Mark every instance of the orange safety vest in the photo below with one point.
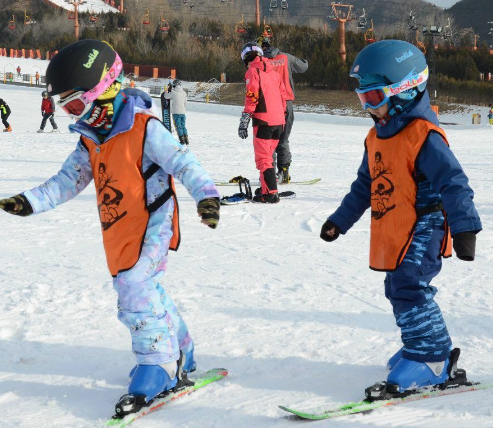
(394, 187)
(121, 194)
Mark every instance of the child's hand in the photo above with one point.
(208, 209)
(16, 205)
(330, 231)
(464, 244)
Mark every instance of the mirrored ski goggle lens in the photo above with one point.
(73, 105)
(373, 98)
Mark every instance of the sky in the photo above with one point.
(443, 3)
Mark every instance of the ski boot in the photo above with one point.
(188, 365)
(409, 377)
(39, 131)
(9, 129)
(182, 139)
(56, 130)
(394, 359)
(266, 198)
(283, 176)
(185, 139)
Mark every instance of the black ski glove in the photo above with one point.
(464, 244)
(243, 128)
(328, 225)
(16, 205)
(208, 209)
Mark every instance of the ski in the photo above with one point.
(164, 398)
(257, 183)
(367, 406)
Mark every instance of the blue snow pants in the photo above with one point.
(423, 330)
(180, 120)
(158, 331)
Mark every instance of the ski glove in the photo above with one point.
(208, 209)
(465, 245)
(328, 225)
(16, 205)
(243, 128)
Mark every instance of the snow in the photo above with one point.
(297, 321)
(96, 6)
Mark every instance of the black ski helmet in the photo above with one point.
(80, 65)
(250, 51)
(176, 83)
(44, 94)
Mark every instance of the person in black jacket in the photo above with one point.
(5, 113)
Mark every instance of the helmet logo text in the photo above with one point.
(404, 56)
(92, 56)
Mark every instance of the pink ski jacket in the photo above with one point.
(265, 96)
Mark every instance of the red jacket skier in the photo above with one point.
(265, 102)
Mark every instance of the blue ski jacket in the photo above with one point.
(445, 180)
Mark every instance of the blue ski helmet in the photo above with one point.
(387, 62)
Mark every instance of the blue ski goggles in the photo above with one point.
(376, 96)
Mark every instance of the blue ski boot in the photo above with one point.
(394, 359)
(410, 375)
(187, 365)
(148, 382)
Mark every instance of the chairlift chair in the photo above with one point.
(284, 4)
(362, 20)
(146, 20)
(164, 25)
(273, 4)
(71, 14)
(240, 26)
(11, 24)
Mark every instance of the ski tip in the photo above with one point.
(218, 372)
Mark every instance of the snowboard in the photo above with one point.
(366, 406)
(166, 112)
(242, 198)
(257, 183)
(200, 382)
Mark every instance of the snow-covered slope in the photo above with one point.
(97, 6)
(297, 321)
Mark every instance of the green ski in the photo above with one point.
(369, 406)
(198, 383)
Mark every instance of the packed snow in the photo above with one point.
(93, 6)
(297, 321)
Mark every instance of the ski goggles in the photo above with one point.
(376, 96)
(78, 103)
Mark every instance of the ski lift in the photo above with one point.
(267, 33)
(273, 4)
(411, 22)
(27, 19)
(146, 20)
(93, 17)
(191, 5)
(240, 26)
(284, 4)
(447, 31)
(11, 24)
(163, 24)
(71, 14)
(370, 34)
(362, 20)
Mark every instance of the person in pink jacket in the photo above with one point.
(265, 102)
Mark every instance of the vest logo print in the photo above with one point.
(382, 188)
(92, 56)
(404, 56)
(109, 206)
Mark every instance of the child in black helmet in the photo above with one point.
(48, 112)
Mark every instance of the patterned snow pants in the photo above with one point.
(157, 329)
(408, 288)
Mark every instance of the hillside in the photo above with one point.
(476, 14)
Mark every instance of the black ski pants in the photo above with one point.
(47, 116)
(4, 120)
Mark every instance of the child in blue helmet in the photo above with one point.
(418, 194)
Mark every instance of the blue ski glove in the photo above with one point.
(16, 205)
(208, 209)
(330, 231)
(243, 128)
